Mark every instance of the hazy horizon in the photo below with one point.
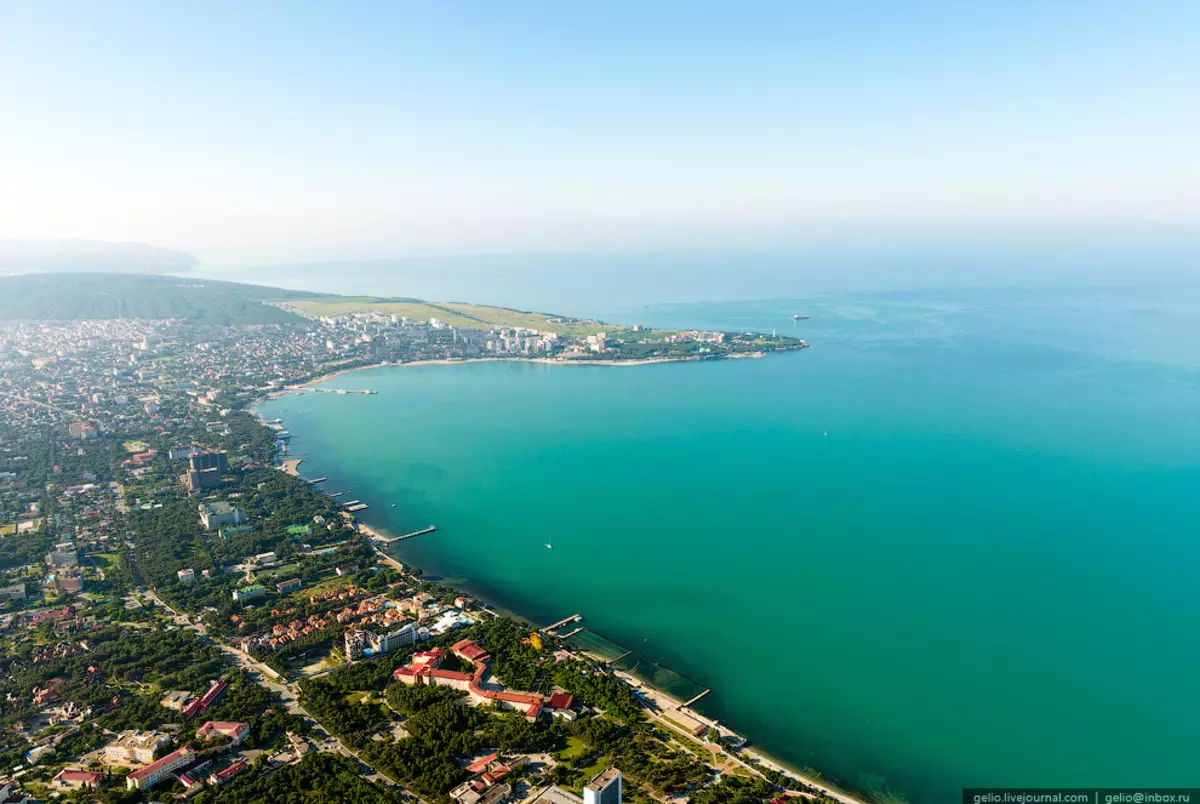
(287, 133)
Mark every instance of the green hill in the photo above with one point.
(69, 297)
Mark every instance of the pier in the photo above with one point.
(693, 700)
(316, 480)
(413, 535)
(572, 633)
(342, 391)
(619, 658)
(574, 618)
(356, 507)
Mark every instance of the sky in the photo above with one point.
(293, 131)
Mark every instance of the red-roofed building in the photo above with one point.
(222, 776)
(498, 772)
(480, 765)
(155, 772)
(560, 700)
(75, 779)
(425, 670)
(236, 732)
(201, 704)
(470, 651)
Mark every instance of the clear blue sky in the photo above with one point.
(353, 129)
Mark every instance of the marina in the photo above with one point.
(574, 618)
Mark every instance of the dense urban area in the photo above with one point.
(185, 617)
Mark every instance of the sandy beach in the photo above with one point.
(548, 361)
(666, 703)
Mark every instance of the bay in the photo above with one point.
(953, 544)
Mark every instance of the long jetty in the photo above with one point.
(693, 700)
(342, 391)
(413, 535)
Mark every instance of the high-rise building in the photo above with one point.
(209, 460)
(604, 789)
(201, 479)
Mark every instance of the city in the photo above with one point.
(185, 613)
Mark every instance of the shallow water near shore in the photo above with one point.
(953, 544)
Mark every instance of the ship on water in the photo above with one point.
(800, 317)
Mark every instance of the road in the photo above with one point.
(813, 783)
(288, 694)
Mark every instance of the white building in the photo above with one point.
(361, 643)
(220, 513)
(135, 745)
(155, 772)
(252, 592)
(604, 789)
(186, 575)
(63, 555)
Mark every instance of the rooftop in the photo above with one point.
(603, 779)
(556, 795)
(159, 764)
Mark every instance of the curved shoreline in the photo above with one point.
(763, 758)
(666, 702)
(546, 361)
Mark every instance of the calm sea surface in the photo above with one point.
(953, 544)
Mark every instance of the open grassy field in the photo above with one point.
(575, 747)
(458, 314)
(321, 587)
(413, 308)
(277, 572)
(22, 526)
(107, 560)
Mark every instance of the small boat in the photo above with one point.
(799, 317)
(549, 547)
(393, 505)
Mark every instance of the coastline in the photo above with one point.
(663, 700)
(540, 360)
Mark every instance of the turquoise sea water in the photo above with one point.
(953, 544)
